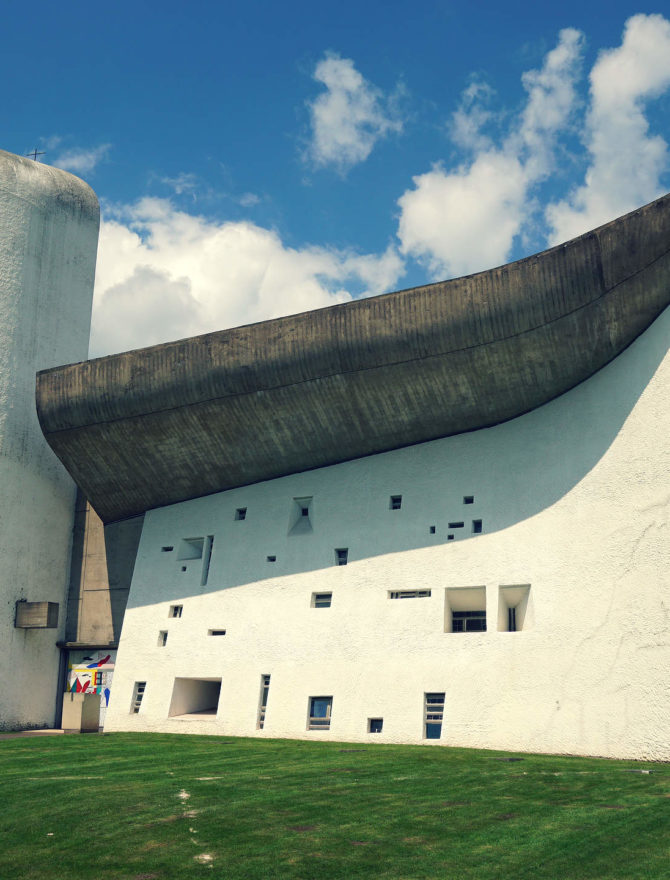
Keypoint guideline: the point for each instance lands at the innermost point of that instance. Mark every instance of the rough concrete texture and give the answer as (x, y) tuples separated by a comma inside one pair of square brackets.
[(574, 500), (48, 242), (181, 420), (100, 575)]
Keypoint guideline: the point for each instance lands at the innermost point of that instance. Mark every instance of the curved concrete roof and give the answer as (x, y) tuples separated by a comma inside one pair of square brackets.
[(176, 421)]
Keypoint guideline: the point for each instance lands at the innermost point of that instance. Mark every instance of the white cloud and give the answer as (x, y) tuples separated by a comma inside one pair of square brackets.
[(184, 182), (349, 117), (466, 219), (164, 274), (626, 162), (81, 161)]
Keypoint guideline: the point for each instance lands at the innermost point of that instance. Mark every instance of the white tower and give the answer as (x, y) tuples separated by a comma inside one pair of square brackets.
[(48, 238)]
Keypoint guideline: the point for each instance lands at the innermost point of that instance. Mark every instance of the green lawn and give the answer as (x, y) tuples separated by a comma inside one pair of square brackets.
[(157, 806)]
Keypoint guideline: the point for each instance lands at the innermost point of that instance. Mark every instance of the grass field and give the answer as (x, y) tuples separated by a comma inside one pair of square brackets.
[(157, 807)]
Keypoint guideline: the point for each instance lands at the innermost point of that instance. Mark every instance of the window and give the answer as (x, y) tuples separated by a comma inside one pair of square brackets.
[(195, 696), (341, 556), (138, 693), (216, 632), (271, 558), (206, 559), (456, 525), (514, 608), (167, 549), (468, 621), (299, 519), (468, 499), (190, 548), (409, 594), (396, 502), (319, 713), (476, 527), (162, 638), (433, 715), (241, 513), (465, 609), (176, 610), (375, 725), (432, 530), (321, 600), (262, 708)]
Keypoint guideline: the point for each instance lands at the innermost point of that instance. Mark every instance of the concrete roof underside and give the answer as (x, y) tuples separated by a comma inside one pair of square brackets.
[(176, 421)]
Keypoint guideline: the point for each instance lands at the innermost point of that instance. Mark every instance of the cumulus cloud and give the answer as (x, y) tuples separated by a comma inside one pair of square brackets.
[(626, 161), (350, 117), (81, 161), (465, 219), (165, 274)]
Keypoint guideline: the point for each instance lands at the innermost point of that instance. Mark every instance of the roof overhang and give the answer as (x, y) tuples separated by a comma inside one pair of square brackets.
[(176, 421)]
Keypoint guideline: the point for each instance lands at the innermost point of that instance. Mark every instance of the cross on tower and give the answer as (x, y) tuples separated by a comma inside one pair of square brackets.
[(34, 154)]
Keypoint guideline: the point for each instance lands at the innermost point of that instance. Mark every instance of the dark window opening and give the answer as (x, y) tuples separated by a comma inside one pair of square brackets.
[(395, 502), (476, 527), (320, 709), (176, 610), (262, 709), (450, 537), (241, 513), (162, 638), (272, 558), (375, 725), (138, 693), (321, 600), (511, 620), (341, 556), (468, 499), (167, 549), (468, 621), (216, 632), (432, 530), (456, 525)]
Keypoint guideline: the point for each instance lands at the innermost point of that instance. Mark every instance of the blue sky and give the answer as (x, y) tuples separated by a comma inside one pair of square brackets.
[(258, 159)]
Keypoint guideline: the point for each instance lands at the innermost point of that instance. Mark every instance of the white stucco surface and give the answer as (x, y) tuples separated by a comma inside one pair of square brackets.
[(574, 500), (48, 241)]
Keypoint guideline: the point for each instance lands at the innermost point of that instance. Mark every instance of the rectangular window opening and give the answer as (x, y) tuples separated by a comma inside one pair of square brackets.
[(456, 525), (322, 600), (191, 548), (514, 608), (341, 556), (432, 530), (175, 610), (465, 609), (433, 715), (409, 594), (216, 632), (162, 638), (395, 502), (468, 499), (263, 705), (138, 693), (240, 513), (476, 527), (300, 522), (197, 697), (375, 725), (271, 558), (206, 560), (167, 549), (320, 709)]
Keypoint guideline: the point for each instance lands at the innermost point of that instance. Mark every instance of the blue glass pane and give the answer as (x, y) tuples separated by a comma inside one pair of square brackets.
[(319, 708), (433, 731)]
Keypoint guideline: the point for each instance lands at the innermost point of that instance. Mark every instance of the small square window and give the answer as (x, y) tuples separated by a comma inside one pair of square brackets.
[(321, 600), (375, 725), (476, 527), (320, 709), (176, 610), (272, 558), (304, 511), (241, 513), (341, 556), (468, 499), (432, 530), (396, 502), (162, 638), (450, 537)]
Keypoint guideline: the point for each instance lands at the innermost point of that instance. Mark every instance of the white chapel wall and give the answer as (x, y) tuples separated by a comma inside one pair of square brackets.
[(574, 501), (48, 241)]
